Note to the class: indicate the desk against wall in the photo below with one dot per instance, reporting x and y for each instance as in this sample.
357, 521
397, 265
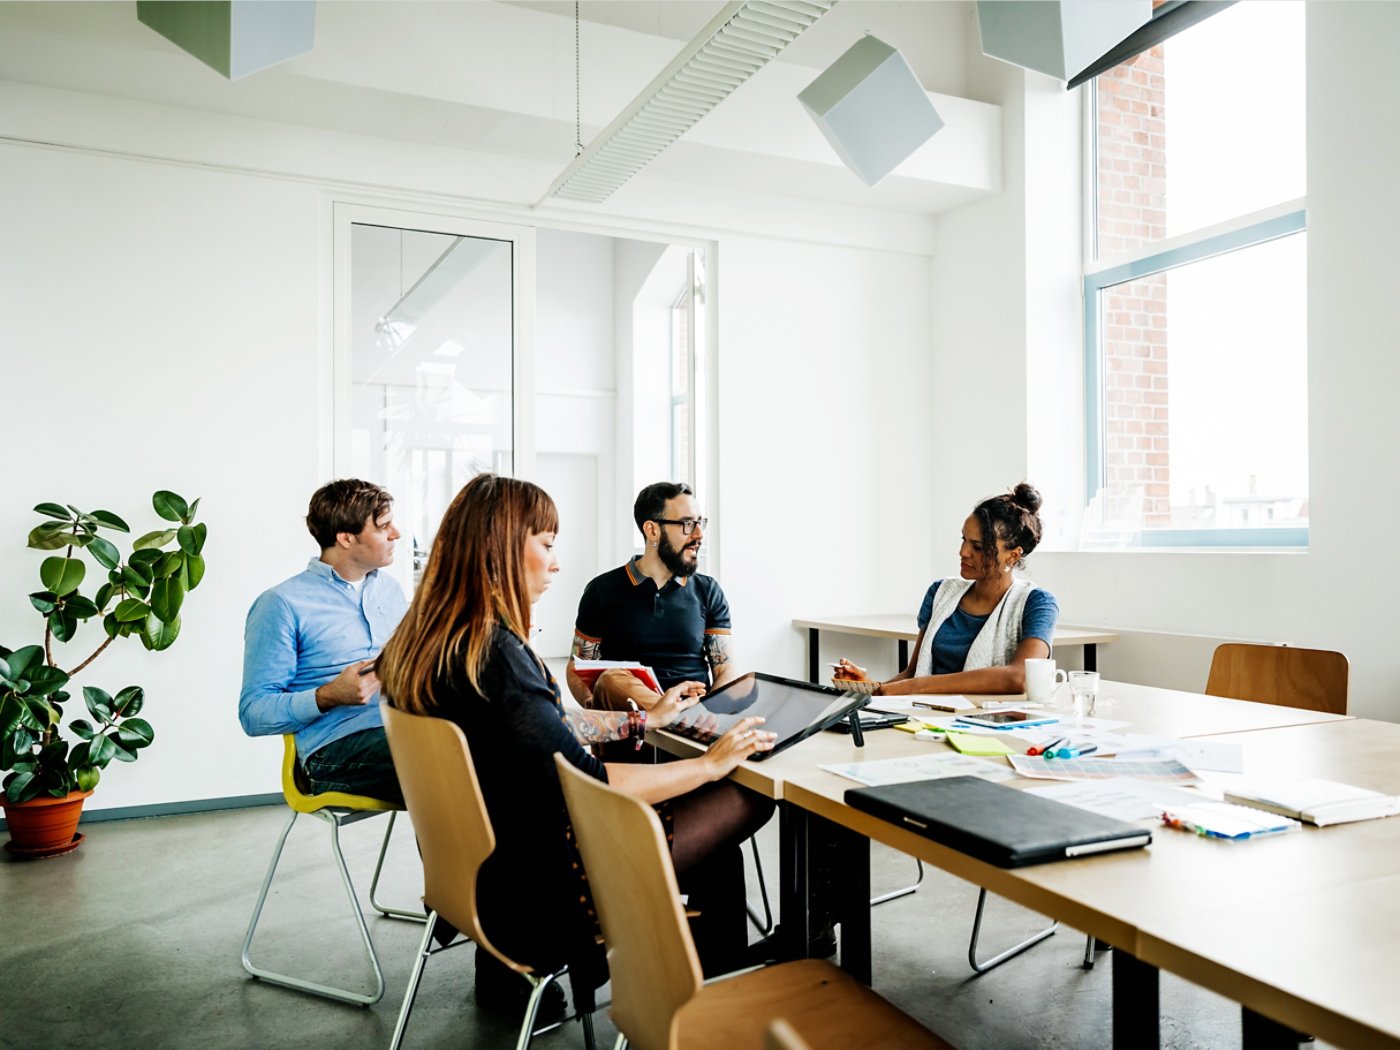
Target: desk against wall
903, 629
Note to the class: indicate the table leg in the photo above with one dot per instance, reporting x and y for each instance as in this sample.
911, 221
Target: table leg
1091, 657
814, 656
903, 654
1260, 1033
1136, 1006
794, 881
848, 855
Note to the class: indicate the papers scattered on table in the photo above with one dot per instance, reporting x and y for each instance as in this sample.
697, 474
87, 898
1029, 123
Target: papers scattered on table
1166, 770
1221, 820
1120, 797
918, 767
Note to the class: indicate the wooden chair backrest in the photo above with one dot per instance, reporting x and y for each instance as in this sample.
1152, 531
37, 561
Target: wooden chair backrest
434, 767
651, 956
1315, 679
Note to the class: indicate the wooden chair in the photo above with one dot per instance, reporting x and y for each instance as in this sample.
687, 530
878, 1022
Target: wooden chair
454, 837
1315, 679
660, 1001
337, 809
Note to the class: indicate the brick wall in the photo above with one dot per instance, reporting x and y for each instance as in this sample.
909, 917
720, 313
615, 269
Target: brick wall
1131, 213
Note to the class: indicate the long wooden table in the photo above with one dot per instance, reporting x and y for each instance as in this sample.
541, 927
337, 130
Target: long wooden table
1165, 906
902, 629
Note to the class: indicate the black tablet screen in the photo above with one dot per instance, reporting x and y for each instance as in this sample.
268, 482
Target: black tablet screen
790, 708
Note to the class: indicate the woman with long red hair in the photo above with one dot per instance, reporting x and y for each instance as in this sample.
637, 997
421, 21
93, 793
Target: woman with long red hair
461, 653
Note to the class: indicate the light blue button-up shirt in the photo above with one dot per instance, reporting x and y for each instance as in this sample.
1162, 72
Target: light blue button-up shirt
300, 635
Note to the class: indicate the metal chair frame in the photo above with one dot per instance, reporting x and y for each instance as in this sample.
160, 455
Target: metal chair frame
339, 810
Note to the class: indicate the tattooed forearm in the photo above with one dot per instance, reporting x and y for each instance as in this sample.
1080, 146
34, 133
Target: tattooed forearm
597, 727
719, 650
586, 648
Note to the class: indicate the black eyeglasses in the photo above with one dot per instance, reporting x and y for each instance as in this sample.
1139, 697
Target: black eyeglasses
687, 524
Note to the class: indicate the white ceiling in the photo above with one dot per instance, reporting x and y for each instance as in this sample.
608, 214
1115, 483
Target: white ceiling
498, 78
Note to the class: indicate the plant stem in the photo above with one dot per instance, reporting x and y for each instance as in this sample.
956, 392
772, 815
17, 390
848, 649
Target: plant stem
96, 653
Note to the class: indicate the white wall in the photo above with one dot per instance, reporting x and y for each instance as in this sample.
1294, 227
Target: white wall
163, 332
182, 311
825, 467
1337, 595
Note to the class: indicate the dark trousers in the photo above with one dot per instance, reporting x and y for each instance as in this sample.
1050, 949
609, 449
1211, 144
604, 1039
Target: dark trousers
358, 764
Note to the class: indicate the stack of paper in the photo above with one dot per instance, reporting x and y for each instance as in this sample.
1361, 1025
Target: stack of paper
1316, 801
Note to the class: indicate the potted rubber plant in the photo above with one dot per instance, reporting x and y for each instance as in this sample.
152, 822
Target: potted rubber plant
52, 758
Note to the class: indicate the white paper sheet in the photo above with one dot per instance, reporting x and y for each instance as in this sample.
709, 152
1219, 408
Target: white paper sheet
1122, 798
919, 767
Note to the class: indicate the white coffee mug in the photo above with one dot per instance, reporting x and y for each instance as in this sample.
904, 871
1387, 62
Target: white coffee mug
1041, 680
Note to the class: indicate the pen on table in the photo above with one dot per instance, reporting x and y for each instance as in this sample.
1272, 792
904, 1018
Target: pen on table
1072, 752
1045, 748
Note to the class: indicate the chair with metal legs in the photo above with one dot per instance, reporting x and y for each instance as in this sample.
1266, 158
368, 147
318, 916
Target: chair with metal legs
338, 809
454, 837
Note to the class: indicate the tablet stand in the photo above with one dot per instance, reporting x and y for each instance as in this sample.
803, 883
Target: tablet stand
857, 734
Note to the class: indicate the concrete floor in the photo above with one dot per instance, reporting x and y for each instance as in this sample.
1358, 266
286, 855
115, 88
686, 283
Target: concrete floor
133, 941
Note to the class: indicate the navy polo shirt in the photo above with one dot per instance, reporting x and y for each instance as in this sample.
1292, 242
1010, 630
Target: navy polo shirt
664, 629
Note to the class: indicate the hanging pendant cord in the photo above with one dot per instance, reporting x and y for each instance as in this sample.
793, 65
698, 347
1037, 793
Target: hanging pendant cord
578, 124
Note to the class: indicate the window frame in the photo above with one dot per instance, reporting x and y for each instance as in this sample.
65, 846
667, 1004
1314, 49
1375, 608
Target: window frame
1242, 232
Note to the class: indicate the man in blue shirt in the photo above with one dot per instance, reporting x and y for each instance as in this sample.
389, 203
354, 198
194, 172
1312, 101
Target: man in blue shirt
310, 644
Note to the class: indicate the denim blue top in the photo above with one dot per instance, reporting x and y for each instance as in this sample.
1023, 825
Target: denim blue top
300, 635
955, 637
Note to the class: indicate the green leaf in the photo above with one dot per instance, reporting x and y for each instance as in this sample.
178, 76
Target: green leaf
143, 560
161, 634
54, 510
111, 625
45, 538
82, 729
130, 610
4, 670
62, 575
110, 520
105, 553
153, 540
44, 680
186, 539
167, 596
135, 733
129, 701
62, 624
82, 539
194, 570
82, 608
44, 601
22, 787
101, 750
170, 506
170, 563
86, 777
99, 702
104, 595
135, 581
12, 713
120, 751
193, 507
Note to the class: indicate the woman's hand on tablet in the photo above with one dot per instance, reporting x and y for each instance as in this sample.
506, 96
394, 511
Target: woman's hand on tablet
743, 739
673, 701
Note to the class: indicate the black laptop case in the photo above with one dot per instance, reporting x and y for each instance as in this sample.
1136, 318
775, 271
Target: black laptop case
994, 823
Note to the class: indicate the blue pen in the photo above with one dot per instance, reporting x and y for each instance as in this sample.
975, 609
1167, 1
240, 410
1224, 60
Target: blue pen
1075, 752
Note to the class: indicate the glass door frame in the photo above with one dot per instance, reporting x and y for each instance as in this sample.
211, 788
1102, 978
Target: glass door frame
522, 241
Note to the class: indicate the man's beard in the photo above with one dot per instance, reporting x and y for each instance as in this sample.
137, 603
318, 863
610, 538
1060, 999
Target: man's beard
674, 559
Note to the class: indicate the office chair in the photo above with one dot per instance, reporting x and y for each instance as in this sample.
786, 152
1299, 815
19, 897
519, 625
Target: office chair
338, 809
455, 837
660, 1001
1315, 679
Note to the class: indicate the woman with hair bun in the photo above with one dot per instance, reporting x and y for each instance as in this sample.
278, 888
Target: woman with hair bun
977, 630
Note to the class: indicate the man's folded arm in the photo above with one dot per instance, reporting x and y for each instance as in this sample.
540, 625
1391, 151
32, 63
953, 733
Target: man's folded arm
266, 706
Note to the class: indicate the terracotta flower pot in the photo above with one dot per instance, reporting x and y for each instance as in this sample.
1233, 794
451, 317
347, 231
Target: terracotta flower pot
45, 826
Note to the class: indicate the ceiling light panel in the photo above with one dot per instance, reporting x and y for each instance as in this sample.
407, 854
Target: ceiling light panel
741, 40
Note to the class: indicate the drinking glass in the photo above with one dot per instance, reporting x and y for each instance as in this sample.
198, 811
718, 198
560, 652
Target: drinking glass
1083, 691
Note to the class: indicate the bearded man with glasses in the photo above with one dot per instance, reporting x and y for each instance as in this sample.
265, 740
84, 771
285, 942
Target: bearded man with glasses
655, 610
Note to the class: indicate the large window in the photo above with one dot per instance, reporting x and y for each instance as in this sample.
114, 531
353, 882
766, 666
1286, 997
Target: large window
1196, 294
